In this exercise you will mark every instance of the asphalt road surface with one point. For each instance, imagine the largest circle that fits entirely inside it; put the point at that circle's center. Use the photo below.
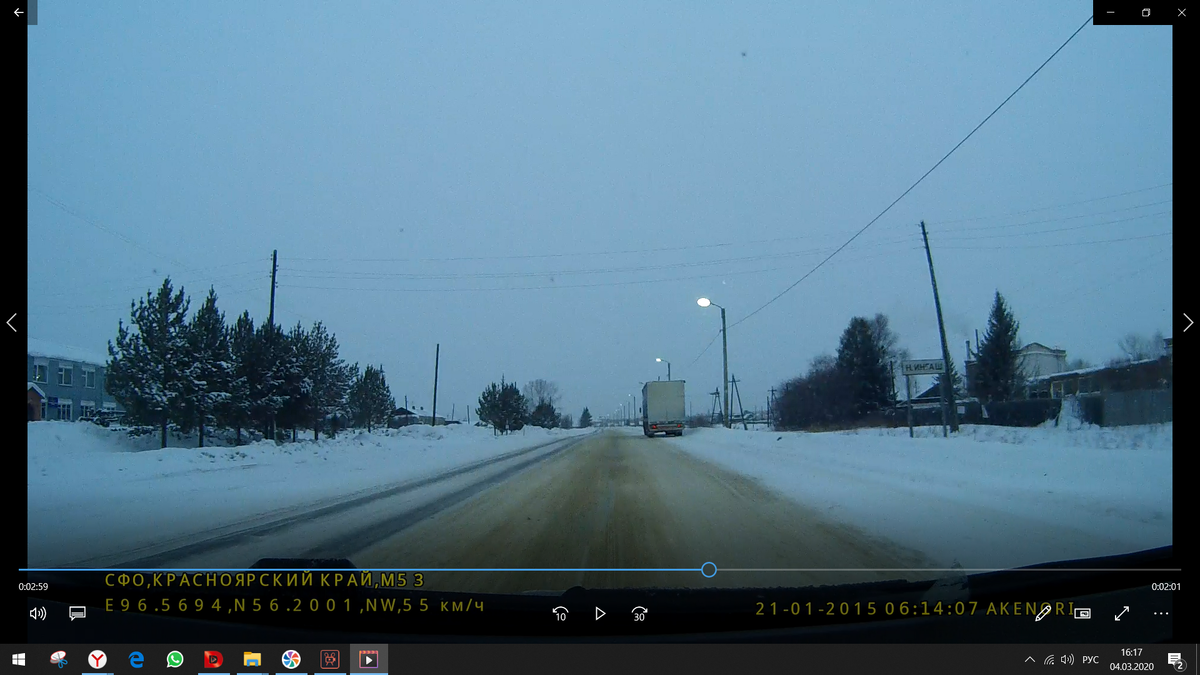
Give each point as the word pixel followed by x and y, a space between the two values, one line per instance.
pixel 619 500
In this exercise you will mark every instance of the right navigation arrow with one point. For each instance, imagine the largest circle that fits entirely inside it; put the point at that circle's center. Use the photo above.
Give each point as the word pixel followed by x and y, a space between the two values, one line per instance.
pixel 1190 322
pixel 599 613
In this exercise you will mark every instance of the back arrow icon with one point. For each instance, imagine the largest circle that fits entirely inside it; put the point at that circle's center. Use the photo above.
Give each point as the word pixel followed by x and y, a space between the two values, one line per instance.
pixel 9 322
pixel 599 613
pixel 18 12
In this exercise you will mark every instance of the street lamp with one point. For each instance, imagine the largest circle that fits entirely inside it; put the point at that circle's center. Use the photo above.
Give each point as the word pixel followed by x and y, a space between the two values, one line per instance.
pixel 668 368
pixel 705 302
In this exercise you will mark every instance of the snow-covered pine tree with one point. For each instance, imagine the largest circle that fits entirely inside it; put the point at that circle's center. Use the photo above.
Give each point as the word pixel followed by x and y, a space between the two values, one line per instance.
pixel 297 364
pixel 268 381
pixel 207 380
pixel 328 374
pixel 381 402
pixel 150 366
pixel 585 419
pixel 236 413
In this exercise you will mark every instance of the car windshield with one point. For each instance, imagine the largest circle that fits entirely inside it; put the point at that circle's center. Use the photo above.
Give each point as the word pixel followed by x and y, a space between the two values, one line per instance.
pixel 732 297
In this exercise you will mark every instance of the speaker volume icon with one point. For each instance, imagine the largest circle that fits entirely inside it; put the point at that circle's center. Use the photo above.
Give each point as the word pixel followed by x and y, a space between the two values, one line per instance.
pixel 38 613
pixel 1067 659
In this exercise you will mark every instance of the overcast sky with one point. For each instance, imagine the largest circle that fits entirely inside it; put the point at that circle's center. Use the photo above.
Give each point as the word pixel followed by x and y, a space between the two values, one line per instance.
pixel 545 189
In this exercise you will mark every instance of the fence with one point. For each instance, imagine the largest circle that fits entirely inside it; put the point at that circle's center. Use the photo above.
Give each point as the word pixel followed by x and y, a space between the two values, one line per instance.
pixel 1125 408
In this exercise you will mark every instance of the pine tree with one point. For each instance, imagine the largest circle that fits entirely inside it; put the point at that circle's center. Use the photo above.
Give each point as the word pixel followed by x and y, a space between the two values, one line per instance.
pixel 862 361
pixel 565 421
pixel 208 377
pixel 544 415
pixel 585 419
pixel 237 411
pixel 502 406
pixel 296 365
pixel 269 379
pixel 370 399
pixel 328 374
pixel 996 374
pixel 148 370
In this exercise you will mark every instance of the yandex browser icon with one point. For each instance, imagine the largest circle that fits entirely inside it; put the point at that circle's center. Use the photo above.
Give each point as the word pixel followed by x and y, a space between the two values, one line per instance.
pixel 212 659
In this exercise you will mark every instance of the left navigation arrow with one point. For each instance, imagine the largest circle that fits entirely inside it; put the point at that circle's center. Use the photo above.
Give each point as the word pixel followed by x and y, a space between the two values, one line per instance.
pixel 9 322
pixel 18 11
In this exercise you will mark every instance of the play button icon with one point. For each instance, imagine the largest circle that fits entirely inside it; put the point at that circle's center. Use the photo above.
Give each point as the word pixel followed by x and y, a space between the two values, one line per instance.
pixel 599 613
pixel 368 659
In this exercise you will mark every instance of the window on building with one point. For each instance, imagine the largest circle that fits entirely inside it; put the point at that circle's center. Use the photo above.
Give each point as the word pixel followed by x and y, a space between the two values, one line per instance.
pixel 39 372
pixel 87 408
pixel 65 374
pixel 1056 390
pixel 89 378
pixel 43 409
pixel 1085 385
pixel 64 410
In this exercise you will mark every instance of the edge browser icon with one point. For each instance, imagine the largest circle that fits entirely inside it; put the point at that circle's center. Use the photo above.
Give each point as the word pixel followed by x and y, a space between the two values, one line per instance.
pixel 136 659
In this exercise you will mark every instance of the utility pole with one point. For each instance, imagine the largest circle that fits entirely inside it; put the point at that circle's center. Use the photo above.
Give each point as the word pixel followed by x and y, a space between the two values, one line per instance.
pixel 725 355
pixel 741 410
pixel 949 409
pixel 274 269
pixel 771 409
pixel 436 357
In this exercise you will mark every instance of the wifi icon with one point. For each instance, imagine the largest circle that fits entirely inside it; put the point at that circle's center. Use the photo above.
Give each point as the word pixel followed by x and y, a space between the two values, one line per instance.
pixel 1049 660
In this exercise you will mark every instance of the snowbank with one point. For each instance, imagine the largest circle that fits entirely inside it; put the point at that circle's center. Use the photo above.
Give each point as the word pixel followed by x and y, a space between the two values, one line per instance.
pixel 988 497
pixel 88 483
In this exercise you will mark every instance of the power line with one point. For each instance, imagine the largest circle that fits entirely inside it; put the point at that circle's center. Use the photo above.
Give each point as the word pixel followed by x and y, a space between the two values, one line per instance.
pixel 919 180
pixel 1062 219
pixel 1073 243
pixel 1053 206
pixel 1056 230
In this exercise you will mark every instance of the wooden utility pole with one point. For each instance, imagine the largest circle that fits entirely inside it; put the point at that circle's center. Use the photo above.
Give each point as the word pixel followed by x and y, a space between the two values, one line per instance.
pixel 949 409
pixel 436 358
pixel 274 269
pixel 741 410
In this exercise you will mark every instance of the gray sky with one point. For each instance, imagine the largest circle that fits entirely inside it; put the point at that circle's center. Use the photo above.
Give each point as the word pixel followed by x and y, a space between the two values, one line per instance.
pixel 545 189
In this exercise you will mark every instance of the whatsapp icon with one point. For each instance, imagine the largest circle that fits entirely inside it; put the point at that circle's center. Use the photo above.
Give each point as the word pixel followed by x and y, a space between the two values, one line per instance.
pixel 174 659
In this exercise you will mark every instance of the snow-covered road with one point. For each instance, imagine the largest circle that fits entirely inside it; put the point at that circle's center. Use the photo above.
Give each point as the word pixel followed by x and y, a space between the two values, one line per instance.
pixel 457 496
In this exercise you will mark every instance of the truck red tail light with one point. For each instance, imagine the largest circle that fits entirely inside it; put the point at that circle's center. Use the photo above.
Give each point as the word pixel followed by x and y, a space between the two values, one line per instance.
pixel 653 426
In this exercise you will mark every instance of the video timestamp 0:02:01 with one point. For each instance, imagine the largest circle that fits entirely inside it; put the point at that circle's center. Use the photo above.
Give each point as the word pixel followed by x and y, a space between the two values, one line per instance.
pixel 870 608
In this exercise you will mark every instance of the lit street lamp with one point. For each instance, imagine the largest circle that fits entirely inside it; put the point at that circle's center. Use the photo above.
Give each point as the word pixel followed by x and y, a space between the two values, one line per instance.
pixel 705 302
pixel 668 368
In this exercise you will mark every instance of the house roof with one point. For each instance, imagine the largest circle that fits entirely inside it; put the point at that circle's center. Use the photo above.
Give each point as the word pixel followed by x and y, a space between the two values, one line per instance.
pixel 1088 371
pixel 55 350
pixel 1032 346
pixel 37 389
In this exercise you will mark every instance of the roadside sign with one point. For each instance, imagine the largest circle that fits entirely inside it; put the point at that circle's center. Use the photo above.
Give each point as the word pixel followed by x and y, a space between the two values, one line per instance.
pixel 922 367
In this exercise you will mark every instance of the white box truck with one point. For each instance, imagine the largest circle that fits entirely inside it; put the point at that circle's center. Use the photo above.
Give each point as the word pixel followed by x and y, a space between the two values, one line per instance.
pixel 663 409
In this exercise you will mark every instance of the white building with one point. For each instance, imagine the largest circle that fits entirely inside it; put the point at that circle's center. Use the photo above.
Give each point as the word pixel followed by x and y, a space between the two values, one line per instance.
pixel 1038 360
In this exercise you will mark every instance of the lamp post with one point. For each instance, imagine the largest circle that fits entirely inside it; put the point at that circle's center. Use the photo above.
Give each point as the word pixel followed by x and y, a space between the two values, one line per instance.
pixel 632 408
pixel 705 302
pixel 668 368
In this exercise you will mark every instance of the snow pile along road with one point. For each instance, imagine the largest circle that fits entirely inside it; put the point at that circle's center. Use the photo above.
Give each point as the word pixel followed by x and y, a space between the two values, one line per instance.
pixel 93 489
pixel 988 497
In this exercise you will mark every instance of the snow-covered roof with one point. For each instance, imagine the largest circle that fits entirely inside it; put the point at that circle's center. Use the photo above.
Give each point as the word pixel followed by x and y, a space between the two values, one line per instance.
pixel 1036 346
pixel 1088 371
pixel 54 350
pixel 37 389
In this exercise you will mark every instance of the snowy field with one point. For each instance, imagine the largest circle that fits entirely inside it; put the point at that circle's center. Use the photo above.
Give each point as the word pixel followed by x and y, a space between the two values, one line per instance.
pixel 89 484
pixel 987 498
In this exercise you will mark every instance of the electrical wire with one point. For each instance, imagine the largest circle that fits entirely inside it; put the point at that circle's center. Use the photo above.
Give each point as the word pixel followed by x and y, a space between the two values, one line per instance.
pixel 919 180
